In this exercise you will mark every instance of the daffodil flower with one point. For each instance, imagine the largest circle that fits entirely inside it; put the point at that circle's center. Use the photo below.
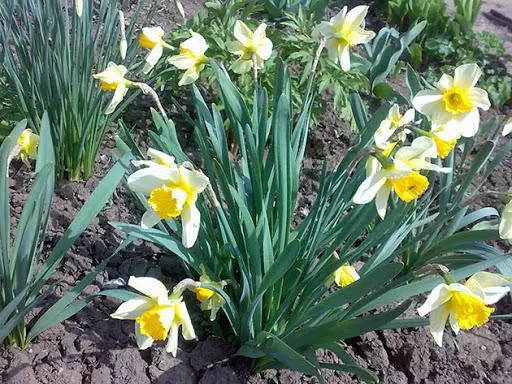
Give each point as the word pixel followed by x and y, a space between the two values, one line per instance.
pixel 393 122
pixel 112 79
pixel 345 275
pixel 157 315
pixel 250 46
pixel 400 175
pixel 464 305
pixel 505 227
pixel 455 101
pixel 344 31
pixel 445 139
pixel 210 300
pixel 191 58
pixel 26 147
pixel 152 38
pixel 172 192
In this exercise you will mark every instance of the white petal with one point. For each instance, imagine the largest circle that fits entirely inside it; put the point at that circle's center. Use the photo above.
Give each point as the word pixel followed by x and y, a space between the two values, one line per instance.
pixel 259 35
pixel 453 323
pixel 467 124
pixel 149 219
pixel 360 36
pixel 467 75
pixel 480 98
pixel 437 319
pixel 356 16
pixel 187 329
pixel 339 18
pixel 183 61
pixel 162 158
pixel 437 297
pixel 344 58
pixel 153 34
pixel 381 200
pixel 428 101
pixel 143 341
pixel 241 66
pixel 131 309
pixel 152 58
pixel 372 166
pixel 421 148
pixel 150 287
pixel 146 179
pixel 242 33
pixel 369 188
pixel 445 83
pixel 383 133
pixel 494 286
pixel 190 220
pixel 196 44
pixel 172 341
pixel 117 98
pixel 407 117
pixel 190 75
pixel 266 49
pixel 507 128
pixel 235 47
pixel 195 179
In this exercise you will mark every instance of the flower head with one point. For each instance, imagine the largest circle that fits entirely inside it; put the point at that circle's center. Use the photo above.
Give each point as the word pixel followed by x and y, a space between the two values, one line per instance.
pixel 152 38
pixel 344 31
pixel 210 300
pixel 445 139
pixel 112 79
pixel 172 192
pixel 191 58
pixel 455 101
pixel 464 305
pixel 250 46
pixel 345 275
pixel 400 175
pixel 505 227
pixel 26 147
pixel 393 122
pixel 157 316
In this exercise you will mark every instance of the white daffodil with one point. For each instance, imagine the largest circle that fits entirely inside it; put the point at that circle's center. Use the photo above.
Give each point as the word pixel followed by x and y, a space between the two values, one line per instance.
pixel 464 305
pixel 394 121
pixel 152 38
pixel 26 147
pixel 456 100
pixel 210 300
pixel 172 192
pixel 157 159
pixel 249 45
pixel 112 79
pixel 400 176
pixel 445 139
pixel 157 316
pixel 345 275
pixel 344 31
pixel 505 227
pixel 191 58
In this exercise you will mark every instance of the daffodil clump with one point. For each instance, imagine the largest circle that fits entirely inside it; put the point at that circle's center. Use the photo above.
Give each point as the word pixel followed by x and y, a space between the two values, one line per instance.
pixel 172 192
pixel 343 32
pixel 466 305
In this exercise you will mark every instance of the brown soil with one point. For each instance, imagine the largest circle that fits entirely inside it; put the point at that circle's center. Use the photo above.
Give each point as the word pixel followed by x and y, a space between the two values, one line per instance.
pixel 92 348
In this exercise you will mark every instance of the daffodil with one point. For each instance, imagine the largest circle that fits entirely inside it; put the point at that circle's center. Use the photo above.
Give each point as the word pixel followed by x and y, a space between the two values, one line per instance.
pixel 172 192
pixel 345 275
pixel 455 101
pixel 112 79
pixel 210 300
pixel 191 58
pixel 157 315
pixel 505 227
pixel 26 146
pixel 250 46
pixel 400 175
pixel 464 305
pixel 152 38
pixel 79 6
pixel 393 122
pixel 344 31
pixel 445 139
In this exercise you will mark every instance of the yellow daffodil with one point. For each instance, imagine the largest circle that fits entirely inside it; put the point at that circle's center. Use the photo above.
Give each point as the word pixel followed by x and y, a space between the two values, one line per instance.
pixel 157 315
pixel 26 146
pixel 400 175
pixel 505 227
pixel 345 275
pixel 249 45
pixel 445 139
pixel 152 38
pixel 344 31
pixel 112 79
pixel 191 58
pixel 172 192
pixel 210 300
pixel 393 122
pixel 455 101
pixel 464 305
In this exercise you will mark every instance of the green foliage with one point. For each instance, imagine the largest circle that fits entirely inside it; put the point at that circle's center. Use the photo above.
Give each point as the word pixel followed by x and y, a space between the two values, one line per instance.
pixel 25 266
pixel 9 112
pixel 49 56
pixel 466 12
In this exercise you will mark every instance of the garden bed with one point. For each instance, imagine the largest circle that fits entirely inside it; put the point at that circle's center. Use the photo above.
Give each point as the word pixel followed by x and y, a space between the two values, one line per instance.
pixel 93 348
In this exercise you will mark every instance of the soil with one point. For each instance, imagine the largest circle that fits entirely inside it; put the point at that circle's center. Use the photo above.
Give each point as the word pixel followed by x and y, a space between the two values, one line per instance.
pixel 93 348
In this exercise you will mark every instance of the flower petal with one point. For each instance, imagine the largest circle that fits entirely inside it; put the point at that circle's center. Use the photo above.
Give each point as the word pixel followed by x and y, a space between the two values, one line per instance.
pixel 381 200
pixel 369 188
pixel 266 49
pixel 428 101
pixel 344 58
pixel 131 309
pixel 143 341
pixel 187 329
pixel 355 16
pixel 445 83
pixel 190 75
pixel 146 179
pixel 196 44
pixel 453 323
pixel 190 220
pixel 407 117
pixel 467 75
pixel 437 297
pixel 241 66
pixel 507 128
pixel 493 285
pixel 437 319
pixel 117 98
pixel 149 219
pixel 150 287
pixel 172 341
pixel 467 124
pixel 242 33
pixel 153 57
pixel 480 98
